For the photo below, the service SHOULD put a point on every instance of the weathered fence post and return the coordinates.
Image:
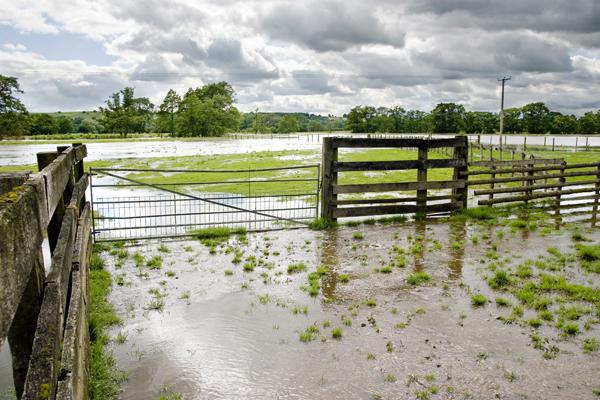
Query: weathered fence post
(460, 195)
(43, 160)
(328, 179)
(422, 179)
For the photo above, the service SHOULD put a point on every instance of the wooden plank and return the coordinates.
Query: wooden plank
(393, 209)
(57, 175)
(461, 155)
(390, 201)
(543, 195)
(534, 187)
(533, 177)
(505, 163)
(534, 169)
(398, 186)
(43, 367)
(79, 191)
(401, 143)
(343, 166)
(422, 178)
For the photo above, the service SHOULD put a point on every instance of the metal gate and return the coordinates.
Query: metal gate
(151, 203)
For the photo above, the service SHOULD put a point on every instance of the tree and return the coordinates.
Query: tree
(207, 111)
(563, 124)
(589, 123)
(513, 122)
(43, 124)
(397, 116)
(480, 122)
(288, 124)
(360, 119)
(14, 119)
(64, 125)
(125, 113)
(167, 111)
(448, 118)
(536, 118)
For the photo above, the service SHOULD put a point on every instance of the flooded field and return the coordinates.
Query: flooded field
(417, 310)
(24, 153)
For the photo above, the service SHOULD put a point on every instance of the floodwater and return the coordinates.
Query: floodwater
(236, 336)
(20, 154)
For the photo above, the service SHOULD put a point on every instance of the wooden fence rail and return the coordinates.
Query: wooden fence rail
(565, 186)
(330, 205)
(46, 315)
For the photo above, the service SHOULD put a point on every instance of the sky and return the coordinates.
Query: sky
(306, 56)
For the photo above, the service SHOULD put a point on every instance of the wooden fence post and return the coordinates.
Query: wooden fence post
(43, 160)
(328, 179)
(422, 179)
(460, 195)
(596, 200)
(561, 182)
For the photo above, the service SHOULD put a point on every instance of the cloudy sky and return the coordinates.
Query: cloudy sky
(315, 56)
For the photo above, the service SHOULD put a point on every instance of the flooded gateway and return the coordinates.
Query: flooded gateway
(367, 312)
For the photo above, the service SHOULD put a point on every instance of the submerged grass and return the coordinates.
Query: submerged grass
(105, 377)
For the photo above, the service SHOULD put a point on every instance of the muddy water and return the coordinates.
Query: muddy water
(25, 153)
(222, 337)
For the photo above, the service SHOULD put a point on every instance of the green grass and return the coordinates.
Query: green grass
(155, 262)
(336, 333)
(418, 278)
(321, 224)
(590, 345)
(105, 378)
(294, 268)
(478, 300)
(344, 278)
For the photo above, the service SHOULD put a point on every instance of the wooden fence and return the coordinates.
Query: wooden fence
(561, 186)
(45, 316)
(423, 203)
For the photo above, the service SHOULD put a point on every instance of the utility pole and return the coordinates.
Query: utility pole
(503, 80)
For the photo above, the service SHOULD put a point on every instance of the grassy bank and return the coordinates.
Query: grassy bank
(105, 377)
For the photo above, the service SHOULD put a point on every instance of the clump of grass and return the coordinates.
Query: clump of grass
(371, 302)
(535, 322)
(390, 378)
(478, 300)
(479, 213)
(155, 262)
(321, 224)
(588, 253)
(336, 333)
(170, 273)
(570, 329)
(357, 236)
(343, 278)
(309, 334)
(385, 269)
(502, 302)
(163, 249)
(590, 345)
(228, 272)
(97, 262)
(499, 280)
(418, 278)
(294, 268)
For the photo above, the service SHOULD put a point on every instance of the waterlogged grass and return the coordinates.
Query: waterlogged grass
(105, 377)
(418, 278)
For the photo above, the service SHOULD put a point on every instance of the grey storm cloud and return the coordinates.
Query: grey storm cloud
(323, 56)
(571, 16)
(328, 26)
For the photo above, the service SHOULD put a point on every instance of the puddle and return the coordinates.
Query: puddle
(237, 336)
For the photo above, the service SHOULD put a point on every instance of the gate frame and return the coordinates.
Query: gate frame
(331, 167)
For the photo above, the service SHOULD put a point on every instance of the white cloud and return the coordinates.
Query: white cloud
(315, 56)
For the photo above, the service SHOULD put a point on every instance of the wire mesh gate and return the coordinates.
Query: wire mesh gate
(153, 203)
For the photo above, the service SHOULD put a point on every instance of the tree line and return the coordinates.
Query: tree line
(209, 111)
(454, 118)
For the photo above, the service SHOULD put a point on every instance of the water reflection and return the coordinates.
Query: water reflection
(328, 257)
(458, 234)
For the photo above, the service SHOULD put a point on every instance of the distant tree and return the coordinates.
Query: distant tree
(124, 113)
(417, 122)
(288, 124)
(480, 122)
(448, 118)
(208, 111)
(589, 123)
(315, 126)
(64, 125)
(89, 125)
(167, 112)
(397, 117)
(536, 118)
(513, 122)
(14, 119)
(360, 119)
(563, 124)
(43, 124)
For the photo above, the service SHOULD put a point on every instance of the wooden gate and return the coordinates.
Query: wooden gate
(418, 200)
